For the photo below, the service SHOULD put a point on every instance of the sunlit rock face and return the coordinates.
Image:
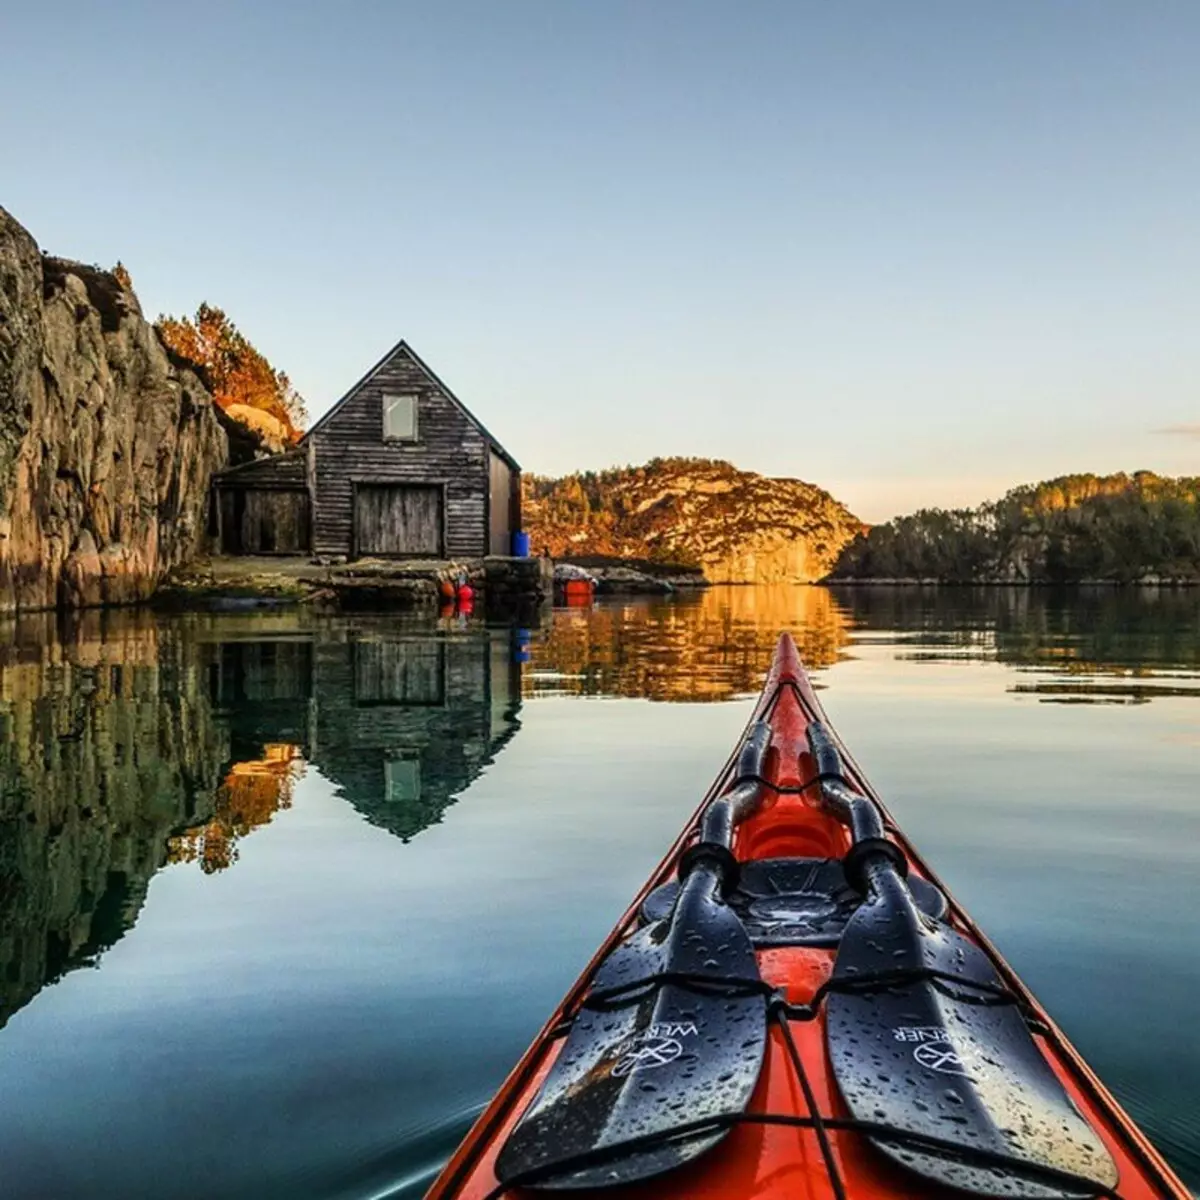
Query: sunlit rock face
(106, 446)
(737, 526)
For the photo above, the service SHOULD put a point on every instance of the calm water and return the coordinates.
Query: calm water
(284, 898)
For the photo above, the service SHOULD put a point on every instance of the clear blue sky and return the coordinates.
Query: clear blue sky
(915, 252)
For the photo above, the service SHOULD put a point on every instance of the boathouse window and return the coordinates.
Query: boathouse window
(402, 779)
(400, 417)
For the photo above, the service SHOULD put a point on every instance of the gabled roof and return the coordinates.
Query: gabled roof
(270, 463)
(403, 347)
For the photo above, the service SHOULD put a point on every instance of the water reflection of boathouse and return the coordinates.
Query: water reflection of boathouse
(400, 721)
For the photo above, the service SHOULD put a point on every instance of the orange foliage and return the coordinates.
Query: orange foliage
(234, 370)
(252, 793)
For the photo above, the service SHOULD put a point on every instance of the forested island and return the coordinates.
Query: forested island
(1139, 528)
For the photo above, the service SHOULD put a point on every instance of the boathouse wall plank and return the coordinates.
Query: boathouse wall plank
(503, 484)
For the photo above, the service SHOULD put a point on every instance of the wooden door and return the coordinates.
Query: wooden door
(402, 673)
(232, 505)
(398, 519)
(264, 521)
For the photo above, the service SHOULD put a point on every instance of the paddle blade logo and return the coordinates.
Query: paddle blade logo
(656, 1047)
(933, 1050)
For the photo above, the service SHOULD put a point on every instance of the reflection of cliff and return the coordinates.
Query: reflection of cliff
(401, 721)
(106, 747)
(707, 647)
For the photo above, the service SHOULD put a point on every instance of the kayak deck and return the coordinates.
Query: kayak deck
(795, 1138)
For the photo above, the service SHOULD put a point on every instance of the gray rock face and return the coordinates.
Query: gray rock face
(106, 446)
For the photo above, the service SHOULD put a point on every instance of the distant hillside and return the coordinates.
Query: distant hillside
(1113, 528)
(737, 526)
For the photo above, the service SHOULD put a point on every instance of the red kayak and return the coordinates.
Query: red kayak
(796, 1007)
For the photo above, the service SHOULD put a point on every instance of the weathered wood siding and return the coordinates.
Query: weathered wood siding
(450, 450)
(398, 519)
(503, 504)
(264, 520)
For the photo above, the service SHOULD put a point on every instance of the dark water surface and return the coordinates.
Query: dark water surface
(284, 898)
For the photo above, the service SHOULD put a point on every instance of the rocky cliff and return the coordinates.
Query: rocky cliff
(737, 526)
(106, 444)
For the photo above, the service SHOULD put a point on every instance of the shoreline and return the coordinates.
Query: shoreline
(1012, 583)
(415, 589)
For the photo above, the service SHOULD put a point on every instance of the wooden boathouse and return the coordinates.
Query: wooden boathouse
(397, 468)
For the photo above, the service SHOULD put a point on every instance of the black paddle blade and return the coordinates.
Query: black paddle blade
(655, 1057)
(951, 1061)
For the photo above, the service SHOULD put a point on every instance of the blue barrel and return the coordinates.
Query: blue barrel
(520, 544)
(522, 640)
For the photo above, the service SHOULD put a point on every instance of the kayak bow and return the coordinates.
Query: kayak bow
(795, 1006)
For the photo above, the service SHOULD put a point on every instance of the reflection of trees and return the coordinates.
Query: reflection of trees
(1098, 628)
(250, 795)
(718, 644)
(107, 746)
(709, 646)
(1134, 633)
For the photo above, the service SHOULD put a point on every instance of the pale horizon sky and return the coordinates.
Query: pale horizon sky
(916, 253)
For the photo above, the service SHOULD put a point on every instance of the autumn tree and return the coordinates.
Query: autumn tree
(236, 372)
(252, 793)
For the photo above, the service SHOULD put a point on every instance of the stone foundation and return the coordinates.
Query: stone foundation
(501, 584)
